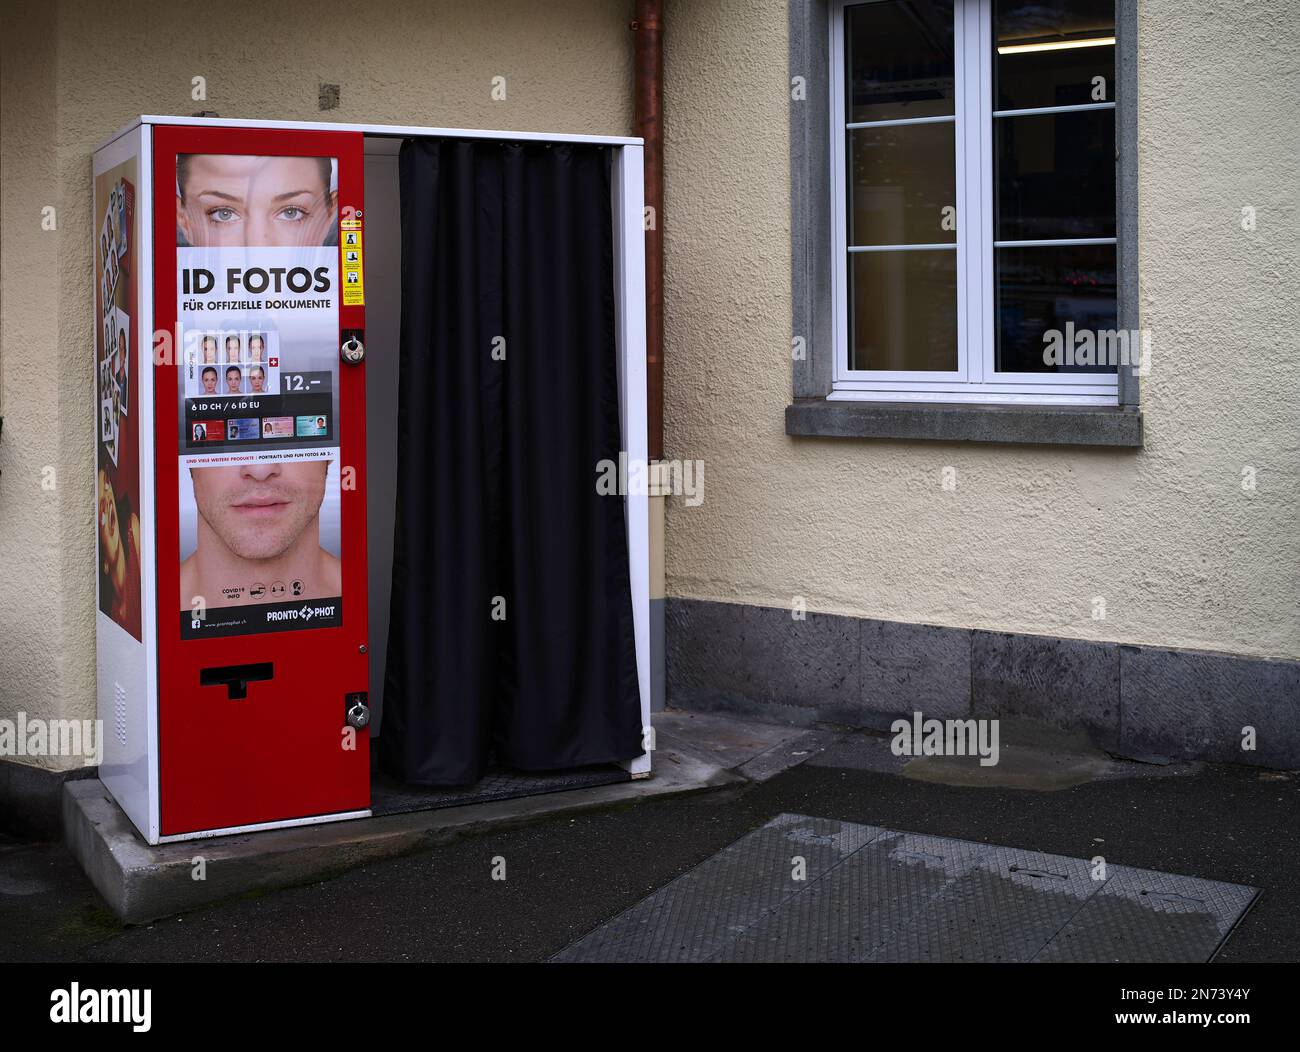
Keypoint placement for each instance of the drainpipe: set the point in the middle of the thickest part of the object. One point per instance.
(649, 66)
(648, 63)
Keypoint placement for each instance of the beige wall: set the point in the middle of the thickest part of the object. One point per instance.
(1180, 554)
(33, 519)
(73, 72)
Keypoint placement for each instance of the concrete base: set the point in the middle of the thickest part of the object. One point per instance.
(142, 883)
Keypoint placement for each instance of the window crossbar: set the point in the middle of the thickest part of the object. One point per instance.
(1035, 243)
(1034, 111)
(896, 121)
(901, 248)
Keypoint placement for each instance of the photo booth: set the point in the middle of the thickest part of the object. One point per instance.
(360, 393)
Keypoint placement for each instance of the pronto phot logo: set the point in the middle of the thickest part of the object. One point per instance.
(32, 736)
(921, 737)
(75, 1005)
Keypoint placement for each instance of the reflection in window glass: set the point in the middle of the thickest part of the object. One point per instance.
(1055, 175)
(1044, 289)
(902, 178)
(1049, 53)
(900, 60)
(1052, 182)
(903, 310)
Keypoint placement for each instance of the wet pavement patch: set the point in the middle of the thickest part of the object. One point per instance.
(804, 889)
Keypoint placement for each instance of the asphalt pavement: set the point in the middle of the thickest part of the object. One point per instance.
(523, 894)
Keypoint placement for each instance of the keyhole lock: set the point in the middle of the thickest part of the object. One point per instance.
(353, 350)
(358, 711)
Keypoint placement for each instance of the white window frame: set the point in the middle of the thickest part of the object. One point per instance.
(972, 380)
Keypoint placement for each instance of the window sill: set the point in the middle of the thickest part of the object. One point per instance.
(952, 422)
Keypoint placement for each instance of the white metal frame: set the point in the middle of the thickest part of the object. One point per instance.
(974, 379)
(629, 283)
(131, 772)
(399, 131)
(258, 827)
(129, 768)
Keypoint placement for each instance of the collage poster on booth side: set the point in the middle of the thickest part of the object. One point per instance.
(257, 303)
(116, 386)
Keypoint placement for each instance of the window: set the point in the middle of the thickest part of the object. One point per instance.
(974, 202)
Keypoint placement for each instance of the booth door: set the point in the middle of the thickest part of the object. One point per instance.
(260, 453)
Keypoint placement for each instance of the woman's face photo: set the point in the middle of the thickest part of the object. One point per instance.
(109, 539)
(236, 200)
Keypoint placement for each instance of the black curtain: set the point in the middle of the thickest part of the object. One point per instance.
(511, 623)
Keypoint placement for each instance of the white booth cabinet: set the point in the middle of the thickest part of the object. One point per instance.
(248, 311)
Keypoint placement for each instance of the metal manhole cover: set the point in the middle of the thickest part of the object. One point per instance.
(804, 889)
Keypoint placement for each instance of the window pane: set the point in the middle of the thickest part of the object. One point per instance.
(903, 310)
(900, 60)
(901, 178)
(1042, 289)
(1061, 75)
(1055, 175)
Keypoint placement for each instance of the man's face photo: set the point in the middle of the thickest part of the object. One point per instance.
(227, 199)
(259, 510)
(209, 381)
(257, 381)
(233, 380)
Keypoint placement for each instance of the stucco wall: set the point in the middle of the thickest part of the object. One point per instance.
(33, 677)
(1030, 536)
(1180, 553)
(73, 72)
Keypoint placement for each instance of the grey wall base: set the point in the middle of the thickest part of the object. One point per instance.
(657, 703)
(30, 798)
(1147, 703)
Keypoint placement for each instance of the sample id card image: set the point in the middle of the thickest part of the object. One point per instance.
(208, 431)
(241, 429)
(311, 426)
(277, 427)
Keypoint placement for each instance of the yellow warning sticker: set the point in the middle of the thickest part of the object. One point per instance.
(354, 289)
(350, 255)
(354, 282)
